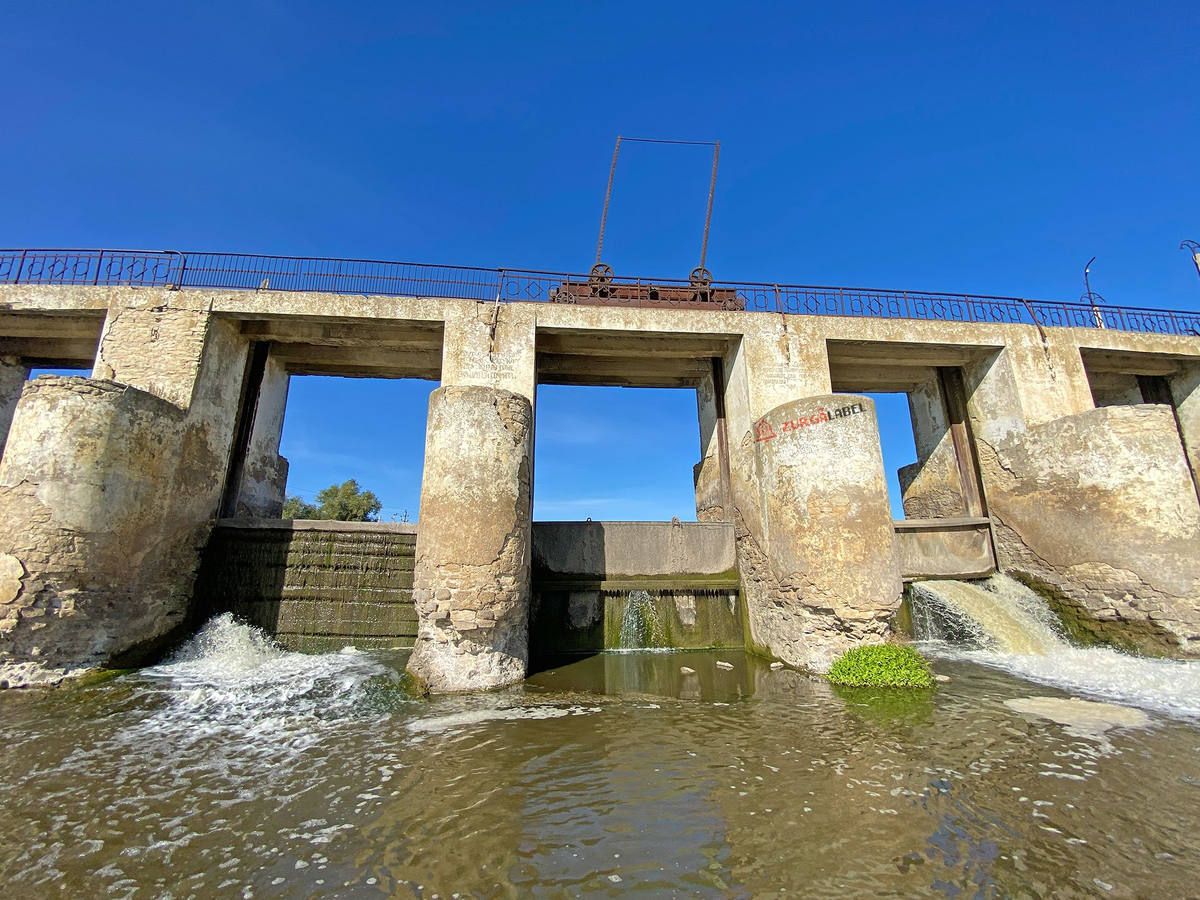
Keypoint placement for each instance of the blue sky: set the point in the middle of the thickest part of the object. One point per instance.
(990, 148)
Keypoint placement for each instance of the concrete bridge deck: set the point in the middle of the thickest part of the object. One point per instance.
(1070, 452)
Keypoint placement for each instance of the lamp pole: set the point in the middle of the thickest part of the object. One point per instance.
(1193, 248)
(1091, 299)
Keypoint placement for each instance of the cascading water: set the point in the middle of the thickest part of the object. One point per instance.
(997, 614)
(231, 681)
(641, 627)
(1002, 623)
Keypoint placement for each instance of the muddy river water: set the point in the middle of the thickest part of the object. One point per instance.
(239, 770)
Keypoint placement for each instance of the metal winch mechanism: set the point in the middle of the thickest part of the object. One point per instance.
(602, 289)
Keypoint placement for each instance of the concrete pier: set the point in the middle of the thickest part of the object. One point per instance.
(471, 583)
(1065, 456)
(828, 573)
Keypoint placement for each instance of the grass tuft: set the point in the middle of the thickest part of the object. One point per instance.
(882, 665)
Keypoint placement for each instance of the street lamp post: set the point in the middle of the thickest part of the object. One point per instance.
(1093, 300)
(1193, 248)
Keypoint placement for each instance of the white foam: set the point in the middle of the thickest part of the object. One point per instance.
(456, 721)
(233, 680)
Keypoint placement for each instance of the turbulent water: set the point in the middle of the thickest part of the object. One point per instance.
(238, 770)
(1000, 622)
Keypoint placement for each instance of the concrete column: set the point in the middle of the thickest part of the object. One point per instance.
(492, 345)
(264, 475)
(769, 367)
(1049, 378)
(1185, 392)
(109, 487)
(931, 486)
(471, 582)
(706, 474)
(13, 373)
(828, 567)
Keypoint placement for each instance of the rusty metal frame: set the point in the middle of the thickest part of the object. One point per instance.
(712, 189)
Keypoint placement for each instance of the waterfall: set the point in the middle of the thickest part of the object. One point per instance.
(641, 627)
(996, 614)
(1002, 623)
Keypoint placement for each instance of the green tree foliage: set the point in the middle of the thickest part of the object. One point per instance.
(345, 502)
(882, 665)
(296, 508)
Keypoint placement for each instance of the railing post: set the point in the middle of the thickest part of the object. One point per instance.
(99, 260)
(20, 266)
(179, 277)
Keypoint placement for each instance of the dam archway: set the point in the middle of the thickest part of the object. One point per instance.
(315, 584)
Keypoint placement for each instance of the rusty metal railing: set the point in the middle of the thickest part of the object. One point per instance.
(238, 271)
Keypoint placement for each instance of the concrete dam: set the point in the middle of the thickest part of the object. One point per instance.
(1057, 444)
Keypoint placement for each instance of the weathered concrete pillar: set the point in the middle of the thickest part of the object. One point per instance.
(829, 573)
(1185, 393)
(931, 487)
(1099, 511)
(768, 368)
(264, 473)
(13, 373)
(1095, 507)
(108, 489)
(471, 581)
(708, 474)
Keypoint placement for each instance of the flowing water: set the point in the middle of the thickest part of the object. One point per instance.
(641, 628)
(1000, 622)
(239, 770)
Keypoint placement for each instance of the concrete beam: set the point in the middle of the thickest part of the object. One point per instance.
(630, 344)
(52, 353)
(400, 336)
(363, 362)
(640, 371)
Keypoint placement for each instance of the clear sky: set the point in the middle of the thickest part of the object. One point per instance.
(990, 148)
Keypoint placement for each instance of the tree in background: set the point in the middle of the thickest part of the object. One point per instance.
(345, 502)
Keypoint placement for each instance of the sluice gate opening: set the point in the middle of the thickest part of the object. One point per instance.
(600, 586)
(319, 585)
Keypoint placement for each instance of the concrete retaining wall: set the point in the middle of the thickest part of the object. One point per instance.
(602, 551)
(314, 585)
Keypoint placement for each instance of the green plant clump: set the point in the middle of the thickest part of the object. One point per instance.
(883, 665)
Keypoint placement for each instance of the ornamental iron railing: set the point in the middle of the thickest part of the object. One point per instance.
(238, 271)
